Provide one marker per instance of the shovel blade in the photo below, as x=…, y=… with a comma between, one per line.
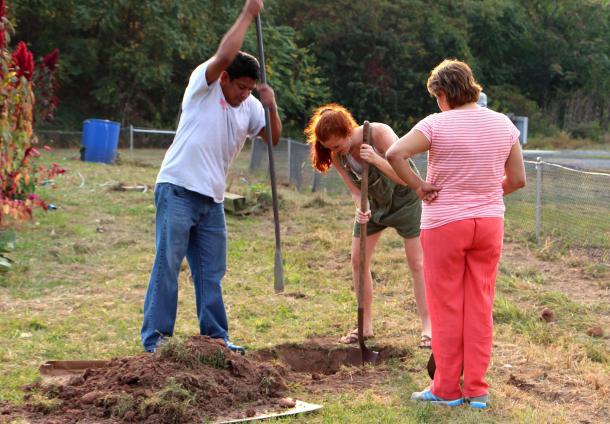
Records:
x=368, y=356
x=431, y=366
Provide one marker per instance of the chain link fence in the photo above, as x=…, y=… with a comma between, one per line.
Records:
x=559, y=203
x=563, y=204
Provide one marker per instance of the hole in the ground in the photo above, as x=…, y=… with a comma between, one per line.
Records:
x=325, y=358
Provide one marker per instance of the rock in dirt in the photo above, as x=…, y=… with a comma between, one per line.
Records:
x=595, y=331
x=77, y=380
x=547, y=315
x=287, y=402
x=250, y=413
x=90, y=397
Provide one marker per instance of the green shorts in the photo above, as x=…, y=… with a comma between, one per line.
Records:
x=403, y=214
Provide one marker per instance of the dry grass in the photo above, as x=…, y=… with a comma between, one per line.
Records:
x=78, y=289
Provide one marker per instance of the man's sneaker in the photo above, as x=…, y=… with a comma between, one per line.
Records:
x=235, y=348
x=428, y=396
x=478, y=402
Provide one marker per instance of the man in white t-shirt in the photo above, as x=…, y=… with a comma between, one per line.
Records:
x=218, y=114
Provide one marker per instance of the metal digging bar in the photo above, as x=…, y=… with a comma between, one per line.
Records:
x=278, y=281
x=368, y=355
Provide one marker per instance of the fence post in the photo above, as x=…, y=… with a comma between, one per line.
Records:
x=256, y=154
x=290, y=176
x=315, y=184
x=130, y=140
x=538, y=198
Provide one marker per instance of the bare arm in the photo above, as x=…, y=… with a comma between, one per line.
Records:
x=382, y=138
x=361, y=217
x=514, y=170
x=353, y=189
x=232, y=40
x=268, y=99
x=412, y=143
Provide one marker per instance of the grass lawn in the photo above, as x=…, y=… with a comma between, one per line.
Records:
x=80, y=273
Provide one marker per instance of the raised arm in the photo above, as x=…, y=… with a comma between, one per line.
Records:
x=514, y=170
x=231, y=42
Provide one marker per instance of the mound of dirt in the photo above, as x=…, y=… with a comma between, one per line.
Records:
x=196, y=380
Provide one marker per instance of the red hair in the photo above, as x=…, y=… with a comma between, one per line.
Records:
x=331, y=120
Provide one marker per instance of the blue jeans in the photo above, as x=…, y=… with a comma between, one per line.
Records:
x=192, y=225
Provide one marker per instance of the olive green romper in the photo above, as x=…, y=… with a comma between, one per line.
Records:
x=392, y=205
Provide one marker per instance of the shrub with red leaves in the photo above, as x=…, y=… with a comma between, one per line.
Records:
x=23, y=61
x=19, y=172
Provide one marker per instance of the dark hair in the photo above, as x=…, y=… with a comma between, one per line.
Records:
x=244, y=65
x=455, y=79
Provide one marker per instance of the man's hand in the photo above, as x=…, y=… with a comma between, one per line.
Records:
x=267, y=96
x=362, y=217
x=368, y=154
x=253, y=7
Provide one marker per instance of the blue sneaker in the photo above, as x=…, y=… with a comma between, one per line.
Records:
x=235, y=348
x=428, y=396
x=478, y=402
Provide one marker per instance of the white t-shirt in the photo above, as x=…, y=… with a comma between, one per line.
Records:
x=210, y=135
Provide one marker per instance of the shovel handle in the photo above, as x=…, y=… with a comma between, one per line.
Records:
x=364, y=192
x=278, y=268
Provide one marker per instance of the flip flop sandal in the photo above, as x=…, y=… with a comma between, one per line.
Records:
x=352, y=337
x=425, y=342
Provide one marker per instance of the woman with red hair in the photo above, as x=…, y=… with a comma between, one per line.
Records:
x=336, y=139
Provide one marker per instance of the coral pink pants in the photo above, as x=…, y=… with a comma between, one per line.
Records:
x=460, y=265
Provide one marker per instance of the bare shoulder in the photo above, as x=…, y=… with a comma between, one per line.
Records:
x=383, y=129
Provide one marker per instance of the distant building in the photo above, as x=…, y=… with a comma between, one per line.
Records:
x=520, y=122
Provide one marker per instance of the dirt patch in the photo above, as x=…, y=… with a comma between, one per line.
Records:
x=566, y=276
x=163, y=387
x=197, y=380
x=323, y=356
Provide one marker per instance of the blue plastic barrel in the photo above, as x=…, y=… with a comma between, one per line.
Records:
x=100, y=140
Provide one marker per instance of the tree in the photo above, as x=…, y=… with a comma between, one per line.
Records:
x=130, y=60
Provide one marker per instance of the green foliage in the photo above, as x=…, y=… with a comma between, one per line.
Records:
x=134, y=57
x=545, y=59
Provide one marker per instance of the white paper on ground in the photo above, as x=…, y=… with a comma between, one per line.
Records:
x=300, y=408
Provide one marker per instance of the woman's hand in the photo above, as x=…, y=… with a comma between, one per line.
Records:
x=427, y=192
x=368, y=154
x=362, y=217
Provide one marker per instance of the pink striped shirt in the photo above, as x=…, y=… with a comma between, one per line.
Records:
x=468, y=150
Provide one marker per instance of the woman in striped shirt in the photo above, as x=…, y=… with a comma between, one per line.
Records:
x=474, y=158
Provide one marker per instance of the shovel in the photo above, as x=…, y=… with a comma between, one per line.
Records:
x=278, y=281
x=431, y=366
x=368, y=355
